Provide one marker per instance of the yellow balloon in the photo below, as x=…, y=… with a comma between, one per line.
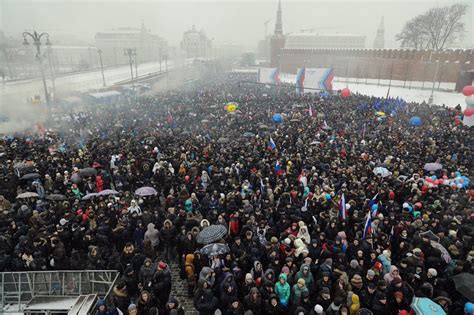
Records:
x=380, y=114
x=231, y=108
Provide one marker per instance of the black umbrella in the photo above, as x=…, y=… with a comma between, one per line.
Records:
x=211, y=234
x=89, y=171
x=56, y=197
x=76, y=178
x=464, y=284
x=429, y=235
x=215, y=249
x=31, y=176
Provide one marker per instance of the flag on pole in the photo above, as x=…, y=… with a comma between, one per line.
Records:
x=262, y=186
x=342, y=208
x=363, y=132
x=310, y=111
x=374, y=202
x=367, y=226
x=278, y=169
x=271, y=144
x=169, y=117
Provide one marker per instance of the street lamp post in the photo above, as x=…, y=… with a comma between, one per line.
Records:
x=37, y=42
x=130, y=52
x=99, y=51
x=51, y=70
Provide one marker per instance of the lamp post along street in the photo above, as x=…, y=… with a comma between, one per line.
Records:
x=101, y=66
x=130, y=52
x=51, y=70
x=37, y=42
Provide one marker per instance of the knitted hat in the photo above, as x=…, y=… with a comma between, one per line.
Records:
x=432, y=272
x=132, y=307
x=301, y=281
x=318, y=309
x=162, y=265
x=371, y=273
x=356, y=280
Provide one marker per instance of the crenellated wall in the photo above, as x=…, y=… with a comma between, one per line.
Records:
x=397, y=64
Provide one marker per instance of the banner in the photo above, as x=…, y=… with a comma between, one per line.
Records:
x=300, y=76
x=317, y=78
x=268, y=75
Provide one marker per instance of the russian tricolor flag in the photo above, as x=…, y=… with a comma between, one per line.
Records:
x=374, y=202
x=278, y=169
x=342, y=208
x=367, y=226
x=310, y=111
x=271, y=144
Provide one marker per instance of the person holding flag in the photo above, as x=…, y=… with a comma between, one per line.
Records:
x=367, y=227
x=342, y=215
x=271, y=144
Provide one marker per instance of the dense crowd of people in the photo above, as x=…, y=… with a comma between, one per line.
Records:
x=310, y=227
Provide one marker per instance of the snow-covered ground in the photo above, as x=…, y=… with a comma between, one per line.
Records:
x=450, y=99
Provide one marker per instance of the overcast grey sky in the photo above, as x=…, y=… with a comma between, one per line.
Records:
x=224, y=20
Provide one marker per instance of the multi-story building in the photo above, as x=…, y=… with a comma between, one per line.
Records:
x=196, y=44
x=148, y=47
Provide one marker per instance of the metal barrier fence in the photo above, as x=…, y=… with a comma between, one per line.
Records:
x=19, y=288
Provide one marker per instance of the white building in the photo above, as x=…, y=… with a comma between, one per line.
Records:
x=196, y=44
x=148, y=46
x=314, y=41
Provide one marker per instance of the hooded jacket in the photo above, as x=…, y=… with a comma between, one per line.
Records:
x=152, y=234
x=308, y=277
x=283, y=290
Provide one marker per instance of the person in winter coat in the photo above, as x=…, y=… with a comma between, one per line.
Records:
x=152, y=235
x=283, y=290
x=173, y=307
x=207, y=303
x=102, y=308
x=168, y=234
x=392, y=274
x=398, y=304
x=253, y=301
x=380, y=304
x=298, y=290
x=324, y=298
x=305, y=273
x=134, y=208
x=145, y=303
x=190, y=274
x=355, y=304
x=120, y=297
x=162, y=284
x=235, y=307
x=145, y=276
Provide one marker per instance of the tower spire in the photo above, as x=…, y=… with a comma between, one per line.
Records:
x=379, y=41
x=279, y=24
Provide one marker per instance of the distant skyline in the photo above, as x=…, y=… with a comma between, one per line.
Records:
x=225, y=21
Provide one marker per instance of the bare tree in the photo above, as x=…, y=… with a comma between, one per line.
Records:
x=435, y=29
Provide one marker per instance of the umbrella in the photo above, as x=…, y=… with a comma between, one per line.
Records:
x=222, y=140
x=463, y=283
x=88, y=171
x=211, y=234
x=205, y=121
x=263, y=126
x=444, y=253
x=186, y=133
x=315, y=142
x=23, y=166
x=56, y=197
x=28, y=194
x=76, y=178
x=425, y=306
x=382, y=171
x=295, y=120
x=107, y=192
x=380, y=114
x=215, y=249
x=432, y=167
x=90, y=196
x=249, y=135
x=146, y=191
x=31, y=176
x=320, y=115
x=429, y=235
